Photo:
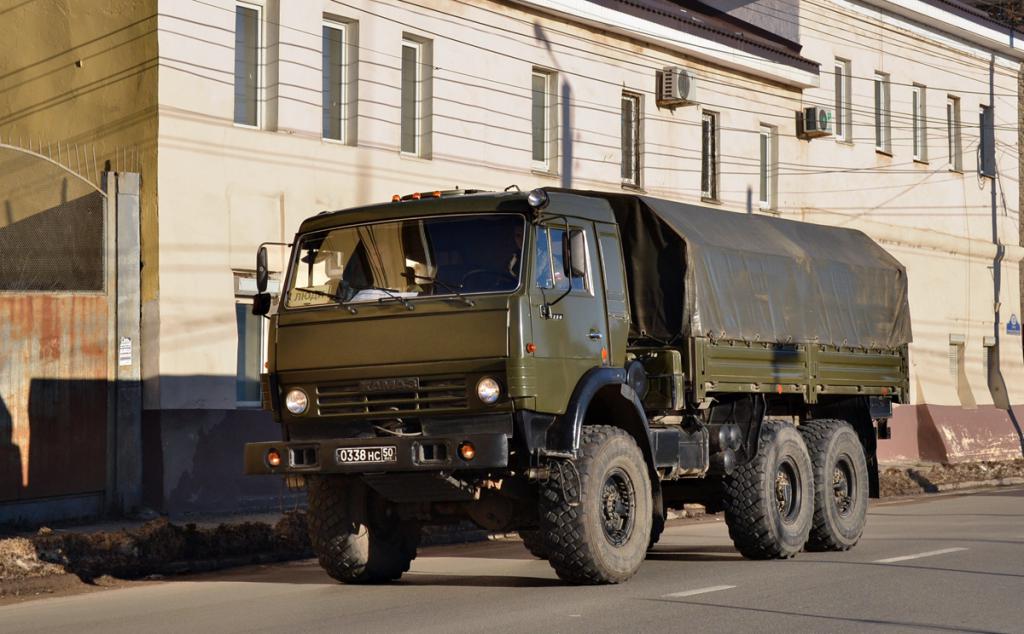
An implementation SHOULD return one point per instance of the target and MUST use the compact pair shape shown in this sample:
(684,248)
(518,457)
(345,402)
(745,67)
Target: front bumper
(422,453)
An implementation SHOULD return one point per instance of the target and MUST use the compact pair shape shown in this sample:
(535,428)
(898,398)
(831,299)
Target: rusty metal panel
(53,394)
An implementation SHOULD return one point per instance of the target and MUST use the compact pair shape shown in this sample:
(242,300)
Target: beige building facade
(260,113)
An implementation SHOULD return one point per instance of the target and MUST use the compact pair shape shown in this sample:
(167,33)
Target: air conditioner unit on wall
(676,87)
(815,122)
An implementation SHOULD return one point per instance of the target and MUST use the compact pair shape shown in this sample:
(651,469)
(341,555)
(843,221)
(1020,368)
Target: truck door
(570,326)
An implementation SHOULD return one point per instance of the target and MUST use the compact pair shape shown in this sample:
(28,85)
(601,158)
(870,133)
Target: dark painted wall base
(33,513)
(947,434)
(192,462)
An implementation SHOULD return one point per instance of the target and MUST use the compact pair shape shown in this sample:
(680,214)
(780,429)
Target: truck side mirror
(574,255)
(261,303)
(262,274)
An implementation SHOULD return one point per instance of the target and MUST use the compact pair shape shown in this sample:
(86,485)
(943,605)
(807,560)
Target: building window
(883,122)
(631,139)
(543,120)
(416,96)
(767,171)
(987,142)
(250,354)
(958,370)
(709,156)
(252,338)
(956,163)
(918,123)
(335,82)
(247,64)
(843,118)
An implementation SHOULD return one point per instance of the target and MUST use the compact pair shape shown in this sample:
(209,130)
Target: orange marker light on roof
(436,194)
(416,196)
(396,198)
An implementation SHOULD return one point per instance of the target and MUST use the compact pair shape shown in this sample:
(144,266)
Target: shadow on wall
(10,457)
(192,459)
(53,450)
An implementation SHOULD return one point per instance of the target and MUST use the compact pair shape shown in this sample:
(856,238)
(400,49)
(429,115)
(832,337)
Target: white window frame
(883,112)
(550,114)
(768,167)
(422,98)
(343,124)
(954,134)
(710,163)
(918,122)
(636,166)
(261,83)
(844,111)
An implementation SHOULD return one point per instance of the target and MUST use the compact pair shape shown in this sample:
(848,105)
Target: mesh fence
(51,227)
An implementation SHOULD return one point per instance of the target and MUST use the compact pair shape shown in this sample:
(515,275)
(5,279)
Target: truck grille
(430,395)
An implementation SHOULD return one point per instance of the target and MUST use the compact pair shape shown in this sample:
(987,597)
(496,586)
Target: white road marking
(930,553)
(690,593)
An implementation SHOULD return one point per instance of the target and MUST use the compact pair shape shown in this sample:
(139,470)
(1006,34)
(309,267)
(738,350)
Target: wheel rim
(787,491)
(843,482)
(618,506)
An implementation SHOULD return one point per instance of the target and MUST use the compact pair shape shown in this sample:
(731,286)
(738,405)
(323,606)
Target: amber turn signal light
(273,458)
(467,451)
(531,348)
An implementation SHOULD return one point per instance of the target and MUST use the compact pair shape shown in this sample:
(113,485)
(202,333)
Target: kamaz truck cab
(570,365)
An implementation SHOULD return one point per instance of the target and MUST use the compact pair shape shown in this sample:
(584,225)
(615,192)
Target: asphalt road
(946,564)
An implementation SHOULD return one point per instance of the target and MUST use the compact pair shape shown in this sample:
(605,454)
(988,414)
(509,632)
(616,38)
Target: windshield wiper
(334,296)
(448,287)
(390,292)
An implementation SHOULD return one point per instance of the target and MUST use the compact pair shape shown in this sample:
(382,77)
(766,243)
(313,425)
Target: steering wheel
(498,276)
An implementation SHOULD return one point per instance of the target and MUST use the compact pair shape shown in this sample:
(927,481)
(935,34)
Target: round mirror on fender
(262,274)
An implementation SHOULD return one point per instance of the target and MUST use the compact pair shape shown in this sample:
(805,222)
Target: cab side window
(543,266)
(553,251)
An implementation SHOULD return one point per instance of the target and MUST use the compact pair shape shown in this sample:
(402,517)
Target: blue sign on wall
(1013,326)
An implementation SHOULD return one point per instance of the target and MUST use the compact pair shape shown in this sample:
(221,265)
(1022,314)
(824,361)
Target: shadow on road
(669,552)
(476,581)
(827,617)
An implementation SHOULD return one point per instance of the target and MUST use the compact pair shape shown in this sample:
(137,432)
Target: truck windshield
(453,255)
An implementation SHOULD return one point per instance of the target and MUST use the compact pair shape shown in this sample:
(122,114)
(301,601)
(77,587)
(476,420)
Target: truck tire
(769,501)
(840,484)
(354,534)
(657,528)
(534,543)
(603,538)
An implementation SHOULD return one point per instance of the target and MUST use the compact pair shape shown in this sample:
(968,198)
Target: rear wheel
(769,500)
(604,537)
(840,484)
(355,534)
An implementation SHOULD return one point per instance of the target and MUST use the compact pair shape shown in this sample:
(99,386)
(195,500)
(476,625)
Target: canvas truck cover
(696,271)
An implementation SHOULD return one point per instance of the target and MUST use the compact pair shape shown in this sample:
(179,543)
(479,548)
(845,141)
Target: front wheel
(840,484)
(595,514)
(769,500)
(355,534)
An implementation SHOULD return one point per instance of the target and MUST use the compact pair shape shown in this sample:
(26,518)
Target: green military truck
(571,365)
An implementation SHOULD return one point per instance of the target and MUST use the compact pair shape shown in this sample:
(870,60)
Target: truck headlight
(488,390)
(296,401)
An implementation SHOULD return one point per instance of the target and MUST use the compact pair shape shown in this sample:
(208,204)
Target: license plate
(371,455)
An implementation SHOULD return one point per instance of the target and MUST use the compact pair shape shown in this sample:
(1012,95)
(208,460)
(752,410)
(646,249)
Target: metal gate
(59,348)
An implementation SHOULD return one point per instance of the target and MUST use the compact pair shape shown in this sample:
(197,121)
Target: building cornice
(952,19)
(705,48)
